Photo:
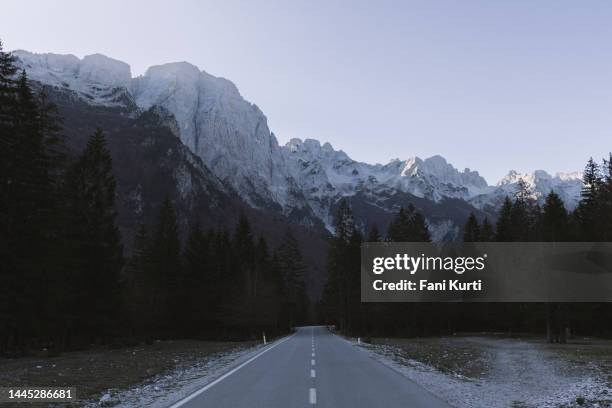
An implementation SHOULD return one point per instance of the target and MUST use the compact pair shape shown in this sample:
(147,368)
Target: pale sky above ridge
(489,85)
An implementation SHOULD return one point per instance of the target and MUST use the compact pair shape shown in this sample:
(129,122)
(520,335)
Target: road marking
(312,362)
(224,376)
(313,374)
(313,354)
(313,396)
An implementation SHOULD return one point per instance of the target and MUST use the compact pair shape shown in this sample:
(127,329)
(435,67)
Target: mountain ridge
(232,137)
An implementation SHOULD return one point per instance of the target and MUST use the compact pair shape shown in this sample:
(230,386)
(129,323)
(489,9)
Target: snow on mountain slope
(98,79)
(432,178)
(230,134)
(539,183)
(232,137)
(325,174)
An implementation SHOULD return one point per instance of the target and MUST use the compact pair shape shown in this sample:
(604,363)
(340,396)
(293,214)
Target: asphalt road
(312,368)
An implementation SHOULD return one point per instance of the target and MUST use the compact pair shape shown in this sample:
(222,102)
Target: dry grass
(449,355)
(93,371)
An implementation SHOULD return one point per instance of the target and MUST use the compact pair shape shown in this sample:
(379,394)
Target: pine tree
(7,92)
(166,270)
(486,232)
(268,291)
(8,102)
(292,269)
(10,299)
(591,180)
(604,204)
(244,251)
(520,223)
(92,186)
(586,211)
(524,214)
(195,284)
(504,222)
(400,229)
(28,200)
(471,232)
(345,222)
(408,226)
(421,232)
(240,303)
(137,285)
(522,191)
(336,299)
(554,219)
(374,234)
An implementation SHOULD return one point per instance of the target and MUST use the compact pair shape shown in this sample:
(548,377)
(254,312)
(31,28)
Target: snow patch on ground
(167,388)
(519,374)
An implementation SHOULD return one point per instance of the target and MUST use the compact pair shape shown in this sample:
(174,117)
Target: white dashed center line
(313,396)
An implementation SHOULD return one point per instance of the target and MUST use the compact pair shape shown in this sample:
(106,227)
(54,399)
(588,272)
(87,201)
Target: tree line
(520,219)
(217,285)
(65,280)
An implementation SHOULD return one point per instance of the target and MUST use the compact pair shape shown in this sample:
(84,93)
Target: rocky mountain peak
(232,137)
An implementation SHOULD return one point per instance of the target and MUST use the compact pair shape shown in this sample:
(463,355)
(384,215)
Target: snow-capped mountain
(232,137)
(324,174)
(98,79)
(539,183)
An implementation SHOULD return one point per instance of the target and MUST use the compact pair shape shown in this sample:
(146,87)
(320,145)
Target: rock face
(302,179)
(228,133)
(98,79)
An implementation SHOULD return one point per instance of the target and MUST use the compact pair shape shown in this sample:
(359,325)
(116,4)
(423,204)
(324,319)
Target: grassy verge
(96,370)
(499,371)
(450,356)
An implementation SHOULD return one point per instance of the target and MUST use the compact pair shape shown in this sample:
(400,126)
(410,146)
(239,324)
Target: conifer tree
(196,283)
(28,200)
(240,299)
(8,101)
(244,251)
(604,205)
(504,222)
(554,219)
(586,212)
(408,226)
(268,290)
(344,222)
(421,232)
(591,180)
(374,234)
(166,270)
(471,232)
(400,229)
(137,285)
(336,296)
(523,214)
(92,185)
(486,232)
(291,268)
(8,92)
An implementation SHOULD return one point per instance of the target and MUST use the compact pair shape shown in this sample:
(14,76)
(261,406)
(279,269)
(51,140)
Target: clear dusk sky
(490,85)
